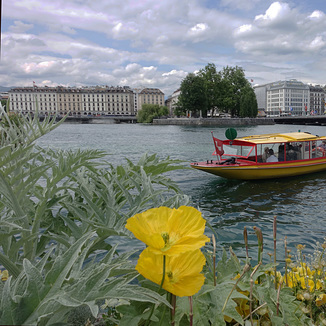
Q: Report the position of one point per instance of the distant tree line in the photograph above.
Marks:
(225, 91)
(148, 112)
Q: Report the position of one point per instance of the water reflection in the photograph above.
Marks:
(298, 203)
(229, 206)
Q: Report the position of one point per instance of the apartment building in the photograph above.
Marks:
(151, 96)
(172, 101)
(290, 97)
(95, 101)
(317, 100)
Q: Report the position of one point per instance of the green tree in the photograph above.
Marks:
(193, 95)
(211, 89)
(149, 112)
(248, 103)
(233, 81)
(213, 85)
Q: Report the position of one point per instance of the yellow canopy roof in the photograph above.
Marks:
(281, 138)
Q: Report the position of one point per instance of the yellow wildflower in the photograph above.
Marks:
(292, 282)
(4, 275)
(300, 296)
(319, 284)
(242, 307)
(169, 231)
(227, 318)
(321, 300)
(182, 272)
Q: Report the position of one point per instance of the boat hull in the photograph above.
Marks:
(245, 171)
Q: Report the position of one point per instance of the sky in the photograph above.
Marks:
(156, 43)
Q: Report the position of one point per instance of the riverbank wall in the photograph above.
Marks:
(214, 121)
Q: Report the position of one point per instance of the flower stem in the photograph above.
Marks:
(274, 238)
(153, 307)
(286, 266)
(245, 270)
(214, 259)
(174, 304)
(245, 236)
(191, 315)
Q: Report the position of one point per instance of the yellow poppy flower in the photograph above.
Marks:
(169, 231)
(321, 299)
(182, 272)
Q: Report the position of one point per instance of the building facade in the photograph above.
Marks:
(150, 96)
(317, 100)
(290, 97)
(95, 101)
(172, 101)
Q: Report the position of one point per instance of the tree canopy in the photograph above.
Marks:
(193, 95)
(148, 112)
(223, 90)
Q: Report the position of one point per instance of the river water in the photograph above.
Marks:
(228, 205)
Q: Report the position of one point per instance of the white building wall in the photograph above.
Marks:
(284, 98)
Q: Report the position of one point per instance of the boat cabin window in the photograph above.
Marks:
(239, 150)
(263, 151)
(318, 148)
(283, 151)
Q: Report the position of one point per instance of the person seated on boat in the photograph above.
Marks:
(296, 151)
(323, 145)
(265, 155)
(291, 154)
(281, 153)
(313, 148)
(272, 157)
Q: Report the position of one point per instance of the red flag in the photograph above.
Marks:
(218, 146)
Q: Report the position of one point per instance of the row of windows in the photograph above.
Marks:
(45, 106)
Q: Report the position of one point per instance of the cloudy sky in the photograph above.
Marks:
(156, 43)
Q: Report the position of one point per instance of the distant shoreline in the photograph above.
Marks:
(214, 121)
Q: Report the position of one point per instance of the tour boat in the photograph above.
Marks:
(266, 156)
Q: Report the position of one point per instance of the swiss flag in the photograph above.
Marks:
(218, 146)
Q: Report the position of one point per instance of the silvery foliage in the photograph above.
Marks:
(59, 212)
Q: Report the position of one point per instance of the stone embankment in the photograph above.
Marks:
(214, 121)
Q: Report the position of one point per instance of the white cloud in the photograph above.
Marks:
(317, 43)
(20, 27)
(317, 14)
(157, 42)
(276, 10)
(198, 28)
(243, 29)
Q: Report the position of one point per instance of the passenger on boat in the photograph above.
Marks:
(272, 157)
(313, 149)
(281, 153)
(265, 155)
(323, 145)
(291, 154)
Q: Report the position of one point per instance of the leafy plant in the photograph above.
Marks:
(59, 210)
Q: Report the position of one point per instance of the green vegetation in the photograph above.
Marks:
(149, 112)
(59, 211)
(4, 103)
(62, 213)
(226, 91)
